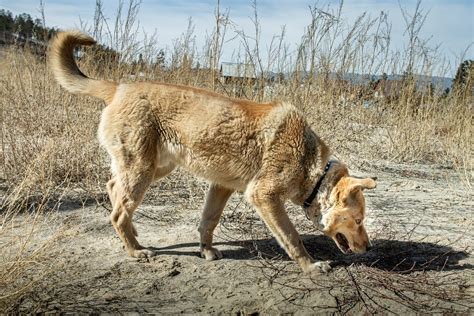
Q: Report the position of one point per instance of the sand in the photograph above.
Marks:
(419, 218)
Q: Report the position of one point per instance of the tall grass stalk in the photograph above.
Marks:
(48, 136)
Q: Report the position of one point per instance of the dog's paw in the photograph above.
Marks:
(211, 254)
(319, 266)
(323, 266)
(142, 253)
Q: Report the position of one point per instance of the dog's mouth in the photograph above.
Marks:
(343, 243)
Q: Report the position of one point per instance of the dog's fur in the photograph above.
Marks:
(268, 151)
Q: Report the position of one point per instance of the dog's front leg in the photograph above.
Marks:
(271, 209)
(216, 200)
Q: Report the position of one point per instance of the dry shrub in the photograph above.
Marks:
(30, 242)
(48, 136)
(49, 150)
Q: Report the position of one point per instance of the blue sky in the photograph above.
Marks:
(449, 23)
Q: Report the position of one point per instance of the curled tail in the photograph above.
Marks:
(66, 72)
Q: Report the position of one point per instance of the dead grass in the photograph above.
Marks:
(30, 242)
(48, 136)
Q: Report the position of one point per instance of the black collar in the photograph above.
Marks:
(312, 196)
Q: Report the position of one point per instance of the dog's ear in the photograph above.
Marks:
(351, 186)
(356, 184)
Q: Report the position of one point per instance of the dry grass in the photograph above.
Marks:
(48, 137)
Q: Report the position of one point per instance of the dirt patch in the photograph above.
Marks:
(420, 225)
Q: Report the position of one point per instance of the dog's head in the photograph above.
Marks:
(344, 221)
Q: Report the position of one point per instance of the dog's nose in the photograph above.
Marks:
(368, 247)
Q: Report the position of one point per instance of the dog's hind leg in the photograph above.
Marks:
(158, 173)
(216, 200)
(111, 192)
(128, 192)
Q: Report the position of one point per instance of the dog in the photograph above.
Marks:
(266, 150)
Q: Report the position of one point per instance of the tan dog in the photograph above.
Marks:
(266, 150)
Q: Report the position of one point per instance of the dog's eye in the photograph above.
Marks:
(358, 221)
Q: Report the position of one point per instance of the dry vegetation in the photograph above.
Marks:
(50, 155)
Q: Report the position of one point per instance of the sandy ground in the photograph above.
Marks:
(419, 219)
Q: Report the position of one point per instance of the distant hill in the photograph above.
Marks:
(440, 83)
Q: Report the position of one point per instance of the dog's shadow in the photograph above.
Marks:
(399, 256)
(388, 255)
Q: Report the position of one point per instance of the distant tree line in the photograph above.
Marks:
(22, 29)
(463, 82)
(24, 26)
